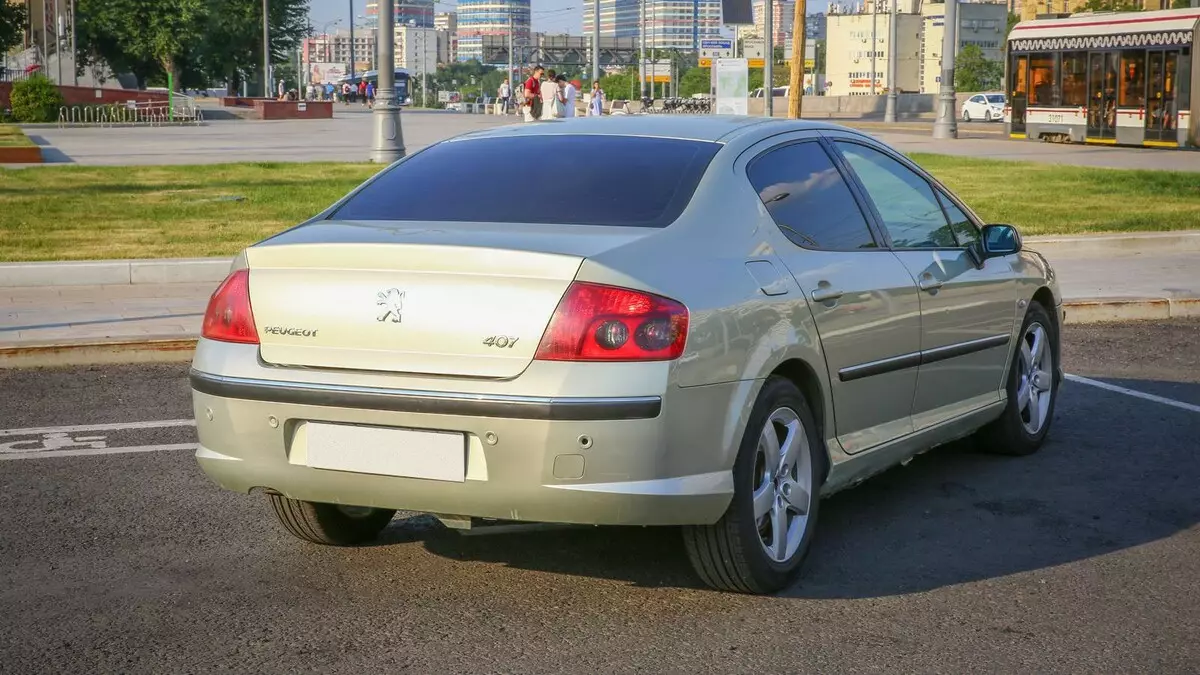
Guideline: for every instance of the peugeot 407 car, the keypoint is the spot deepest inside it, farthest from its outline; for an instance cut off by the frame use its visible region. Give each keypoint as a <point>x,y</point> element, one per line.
<point>702,322</point>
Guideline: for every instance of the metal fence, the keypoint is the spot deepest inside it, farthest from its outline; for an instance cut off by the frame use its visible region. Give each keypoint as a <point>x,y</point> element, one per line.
<point>150,113</point>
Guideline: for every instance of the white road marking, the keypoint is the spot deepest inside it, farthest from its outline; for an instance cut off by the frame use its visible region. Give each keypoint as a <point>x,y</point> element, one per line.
<point>1135,393</point>
<point>116,426</point>
<point>97,451</point>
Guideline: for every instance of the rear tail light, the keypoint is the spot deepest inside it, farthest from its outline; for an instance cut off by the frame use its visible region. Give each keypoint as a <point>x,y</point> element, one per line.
<point>605,323</point>
<point>229,317</point>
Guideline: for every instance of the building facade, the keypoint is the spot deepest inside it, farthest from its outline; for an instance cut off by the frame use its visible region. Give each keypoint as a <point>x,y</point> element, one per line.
<point>446,24</point>
<point>983,24</point>
<point>783,13</point>
<point>417,49</point>
<point>857,48</point>
<point>417,13</point>
<point>670,24</point>
<point>337,48</point>
<point>477,18</point>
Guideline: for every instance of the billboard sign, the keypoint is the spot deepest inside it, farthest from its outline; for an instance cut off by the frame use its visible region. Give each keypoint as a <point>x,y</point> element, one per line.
<point>319,72</point>
<point>732,85</point>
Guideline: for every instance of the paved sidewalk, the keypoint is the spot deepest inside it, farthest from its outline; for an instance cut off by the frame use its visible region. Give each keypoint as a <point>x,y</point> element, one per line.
<point>55,315</point>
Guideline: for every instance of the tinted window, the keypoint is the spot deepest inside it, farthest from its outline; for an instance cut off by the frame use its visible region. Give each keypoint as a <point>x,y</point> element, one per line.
<point>809,199</point>
<point>576,180</point>
<point>964,230</point>
<point>905,201</point>
<point>998,99</point>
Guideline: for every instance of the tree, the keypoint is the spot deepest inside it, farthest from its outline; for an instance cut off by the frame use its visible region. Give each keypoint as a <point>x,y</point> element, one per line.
<point>232,45</point>
<point>974,72</point>
<point>12,25</point>
<point>695,81</point>
<point>1181,4</point>
<point>145,37</point>
<point>1110,6</point>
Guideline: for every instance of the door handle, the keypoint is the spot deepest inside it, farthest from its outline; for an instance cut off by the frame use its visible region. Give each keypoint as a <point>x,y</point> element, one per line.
<point>826,294</point>
<point>928,283</point>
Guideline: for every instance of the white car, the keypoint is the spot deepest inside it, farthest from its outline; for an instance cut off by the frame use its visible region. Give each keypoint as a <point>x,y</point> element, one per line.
<point>986,107</point>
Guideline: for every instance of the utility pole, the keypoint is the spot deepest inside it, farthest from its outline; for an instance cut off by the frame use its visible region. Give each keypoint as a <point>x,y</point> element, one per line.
<point>595,40</point>
<point>512,78</point>
<point>389,137</point>
<point>874,41</point>
<point>390,31</point>
<point>74,51</point>
<point>266,54</point>
<point>642,57</point>
<point>889,113</point>
<point>768,59</point>
<point>58,41</point>
<point>946,125</point>
<point>799,39</point>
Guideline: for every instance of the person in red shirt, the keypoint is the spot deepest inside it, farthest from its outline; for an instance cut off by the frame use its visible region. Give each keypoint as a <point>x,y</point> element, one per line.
<point>533,95</point>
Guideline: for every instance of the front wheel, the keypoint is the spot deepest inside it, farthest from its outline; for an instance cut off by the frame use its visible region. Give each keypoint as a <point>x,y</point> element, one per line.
<point>330,524</point>
<point>760,543</point>
<point>966,115</point>
<point>1032,389</point>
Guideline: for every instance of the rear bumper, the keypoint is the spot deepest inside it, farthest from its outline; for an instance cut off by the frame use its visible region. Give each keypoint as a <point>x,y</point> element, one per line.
<point>588,459</point>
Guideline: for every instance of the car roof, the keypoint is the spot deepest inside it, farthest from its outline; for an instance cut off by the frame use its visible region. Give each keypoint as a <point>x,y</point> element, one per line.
<point>711,128</point>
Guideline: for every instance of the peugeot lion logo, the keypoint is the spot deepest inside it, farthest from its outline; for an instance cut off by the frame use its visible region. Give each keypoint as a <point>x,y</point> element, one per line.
<point>392,302</point>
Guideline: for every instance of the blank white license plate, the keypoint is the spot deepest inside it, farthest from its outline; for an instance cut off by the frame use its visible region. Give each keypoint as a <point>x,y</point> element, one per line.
<point>434,455</point>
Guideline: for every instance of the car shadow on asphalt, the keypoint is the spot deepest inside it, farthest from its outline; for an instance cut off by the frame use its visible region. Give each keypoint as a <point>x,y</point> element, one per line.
<point>1116,473</point>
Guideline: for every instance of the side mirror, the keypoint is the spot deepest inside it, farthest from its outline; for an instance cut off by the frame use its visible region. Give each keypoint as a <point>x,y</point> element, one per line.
<point>999,240</point>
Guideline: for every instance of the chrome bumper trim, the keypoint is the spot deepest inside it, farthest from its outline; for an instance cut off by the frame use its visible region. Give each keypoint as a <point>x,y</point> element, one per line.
<point>428,402</point>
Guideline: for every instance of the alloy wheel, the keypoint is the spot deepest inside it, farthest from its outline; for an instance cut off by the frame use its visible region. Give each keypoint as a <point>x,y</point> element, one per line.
<point>783,484</point>
<point>1036,372</point>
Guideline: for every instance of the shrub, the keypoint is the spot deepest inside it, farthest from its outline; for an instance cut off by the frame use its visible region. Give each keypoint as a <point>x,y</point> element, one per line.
<point>35,100</point>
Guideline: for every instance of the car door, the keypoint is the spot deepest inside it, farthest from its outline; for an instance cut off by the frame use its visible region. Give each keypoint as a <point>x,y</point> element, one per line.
<point>864,302</point>
<point>967,309</point>
<point>976,106</point>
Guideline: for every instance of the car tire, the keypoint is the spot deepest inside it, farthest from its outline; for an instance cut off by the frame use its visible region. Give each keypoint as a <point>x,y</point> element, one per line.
<point>733,554</point>
<point>966,115</point>
<point>330,524</point>
<point>1032,387</point>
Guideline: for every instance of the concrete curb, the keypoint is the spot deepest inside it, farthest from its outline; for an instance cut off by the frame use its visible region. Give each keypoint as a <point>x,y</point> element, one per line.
<point>165,349</point>
<point>114,272</point>
<point>1099,310</point>
<point>213,270</point>
<point>176,349</point>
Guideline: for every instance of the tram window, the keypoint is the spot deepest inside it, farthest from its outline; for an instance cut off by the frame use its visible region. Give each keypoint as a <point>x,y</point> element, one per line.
<point>1041,73</point>
<point>1074,79</point>
<point>1019,86</point>
<point>1133,78</point>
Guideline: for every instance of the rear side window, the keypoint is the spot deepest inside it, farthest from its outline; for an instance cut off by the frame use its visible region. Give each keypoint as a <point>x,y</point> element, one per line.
<point>808,198</point>
<point>552,179</point>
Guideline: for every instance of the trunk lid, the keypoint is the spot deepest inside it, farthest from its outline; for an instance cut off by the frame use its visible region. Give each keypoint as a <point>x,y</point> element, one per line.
<point>435,299</point>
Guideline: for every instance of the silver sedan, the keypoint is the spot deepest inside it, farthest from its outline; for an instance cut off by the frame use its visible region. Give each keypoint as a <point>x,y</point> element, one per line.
<point>703,322</point>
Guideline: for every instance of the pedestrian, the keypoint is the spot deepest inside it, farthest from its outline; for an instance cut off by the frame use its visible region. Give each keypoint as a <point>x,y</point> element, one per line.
<point>570,93</point>
<point>328,95</point>
<point>362,92</point>
<point>370,94</point>
<point>282,89</point>
<point>503,94</point>
<point>532,107</point>
<point>552,100</point>
<point>596,103</point>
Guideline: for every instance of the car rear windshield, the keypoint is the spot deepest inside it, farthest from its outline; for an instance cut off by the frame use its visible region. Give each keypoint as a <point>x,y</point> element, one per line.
<point>562,179</point>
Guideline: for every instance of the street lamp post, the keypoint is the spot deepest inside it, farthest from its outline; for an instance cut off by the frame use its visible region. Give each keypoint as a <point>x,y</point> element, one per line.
<point>266,53</point>
<point>390,13</point>
<point>946,125</point>
<point>889,113</point>
<point>389,137</point>
<point>596,41</point>
<point>769,58</point>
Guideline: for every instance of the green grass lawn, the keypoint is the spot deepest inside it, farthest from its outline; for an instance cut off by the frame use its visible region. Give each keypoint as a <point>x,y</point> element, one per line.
<point>82,213</point>
<point>13,137</point>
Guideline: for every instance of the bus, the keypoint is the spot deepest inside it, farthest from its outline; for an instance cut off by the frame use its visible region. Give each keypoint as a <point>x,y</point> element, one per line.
<point>1106,78</point>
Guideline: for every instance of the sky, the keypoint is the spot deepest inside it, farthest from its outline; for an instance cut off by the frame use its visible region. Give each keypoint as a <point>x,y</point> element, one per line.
<point>549,16</point>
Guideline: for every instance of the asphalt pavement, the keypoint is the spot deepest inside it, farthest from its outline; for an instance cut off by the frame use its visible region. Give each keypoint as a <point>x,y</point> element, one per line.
<point>347,138</point>
<point>1082,558</point>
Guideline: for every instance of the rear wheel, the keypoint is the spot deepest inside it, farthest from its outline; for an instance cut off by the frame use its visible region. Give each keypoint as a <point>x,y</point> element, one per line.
<point>1032,389</point>
<point>760,543</point>
<point>330,524</point>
